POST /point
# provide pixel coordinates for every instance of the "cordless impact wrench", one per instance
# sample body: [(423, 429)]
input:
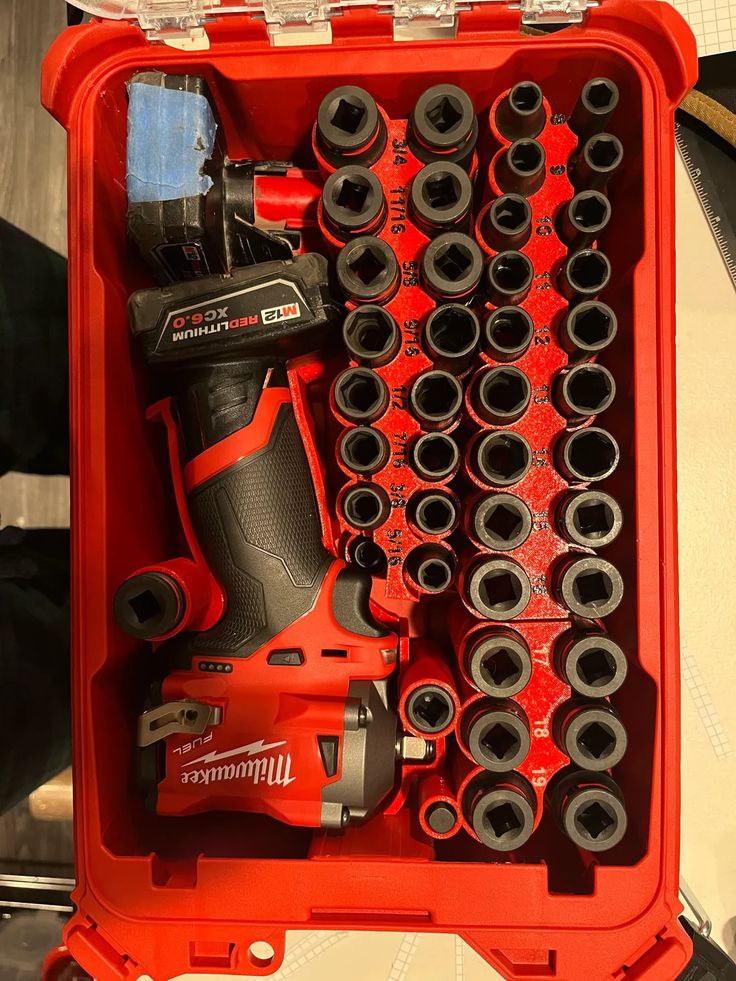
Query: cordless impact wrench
[(289, 692)]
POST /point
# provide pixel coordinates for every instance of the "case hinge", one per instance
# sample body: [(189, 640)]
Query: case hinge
[(553, 11), (292, 22), (419, 20), (179, 23)]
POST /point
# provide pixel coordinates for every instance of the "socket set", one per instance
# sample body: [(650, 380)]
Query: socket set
[(474, 444), (375, 589)]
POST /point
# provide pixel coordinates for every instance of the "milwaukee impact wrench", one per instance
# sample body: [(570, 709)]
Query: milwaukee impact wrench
[(288, 694)]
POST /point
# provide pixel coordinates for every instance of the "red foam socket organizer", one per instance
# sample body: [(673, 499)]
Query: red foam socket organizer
[(493, 445)]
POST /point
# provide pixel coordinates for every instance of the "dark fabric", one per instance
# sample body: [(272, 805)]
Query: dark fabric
[(34, 395), (34, 660)]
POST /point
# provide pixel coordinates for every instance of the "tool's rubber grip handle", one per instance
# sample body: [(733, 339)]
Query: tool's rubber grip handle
[(254, 510)]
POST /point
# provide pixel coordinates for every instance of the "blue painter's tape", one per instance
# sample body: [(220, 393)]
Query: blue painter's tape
[(171, 135)]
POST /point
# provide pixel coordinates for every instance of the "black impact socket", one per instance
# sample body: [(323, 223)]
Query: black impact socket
[(588, 454), (497, 589), (589, 586), (434, 512), (590, 518), (367, 270), (593, 665), (507, 223), (597, 162), (499, 521), (501, 814), (500, 458), (350, 128), (149, 605), (498, 662), (500, 395), (367, 554), (581, 220), (430, 709), (452, 266), (584, 274), (430, 568), (521, 168), (584, 390), (434, 457), (353, 202), (509, 277), (521, 112), (589, 808), (360, 395), (435, 399), (363, 450), (441, 198), (588, 327), (365, 506), (593, 736), (443, 123), (451, 336), (497, 735), (507, 333), (598, 98), (371, 335)]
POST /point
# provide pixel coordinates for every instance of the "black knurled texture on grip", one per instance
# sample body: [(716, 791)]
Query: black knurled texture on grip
[(259, 528)]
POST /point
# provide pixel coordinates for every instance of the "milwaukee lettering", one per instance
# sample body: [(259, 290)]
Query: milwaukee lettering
[(271, 770)]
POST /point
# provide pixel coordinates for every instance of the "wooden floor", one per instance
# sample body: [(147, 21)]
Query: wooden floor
[(32, 197)]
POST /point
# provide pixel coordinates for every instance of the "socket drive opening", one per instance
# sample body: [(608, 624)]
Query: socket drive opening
[(348, 115), (509, 330), (352, 194), (430, 709), (595, 821), (442, 191), (502, 668), (504, 820), (593, 588), (596, 668), (444, 113), (503, 458), (435, 456), (502, 522), (500, 743), (453, 262), (596, 741), (367, 265), (430, 567), (595, 521)]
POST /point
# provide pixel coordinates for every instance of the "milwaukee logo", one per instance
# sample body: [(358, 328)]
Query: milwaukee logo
[(271, 770), (289, 311)]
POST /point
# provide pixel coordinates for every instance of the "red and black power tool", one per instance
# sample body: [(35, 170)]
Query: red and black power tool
[(283, 706)]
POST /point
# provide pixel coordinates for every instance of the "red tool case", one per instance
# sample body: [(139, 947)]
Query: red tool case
[(163, 896)]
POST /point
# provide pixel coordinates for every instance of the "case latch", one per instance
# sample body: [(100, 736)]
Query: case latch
[(418, 20), (293, 22), (553, 11)]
